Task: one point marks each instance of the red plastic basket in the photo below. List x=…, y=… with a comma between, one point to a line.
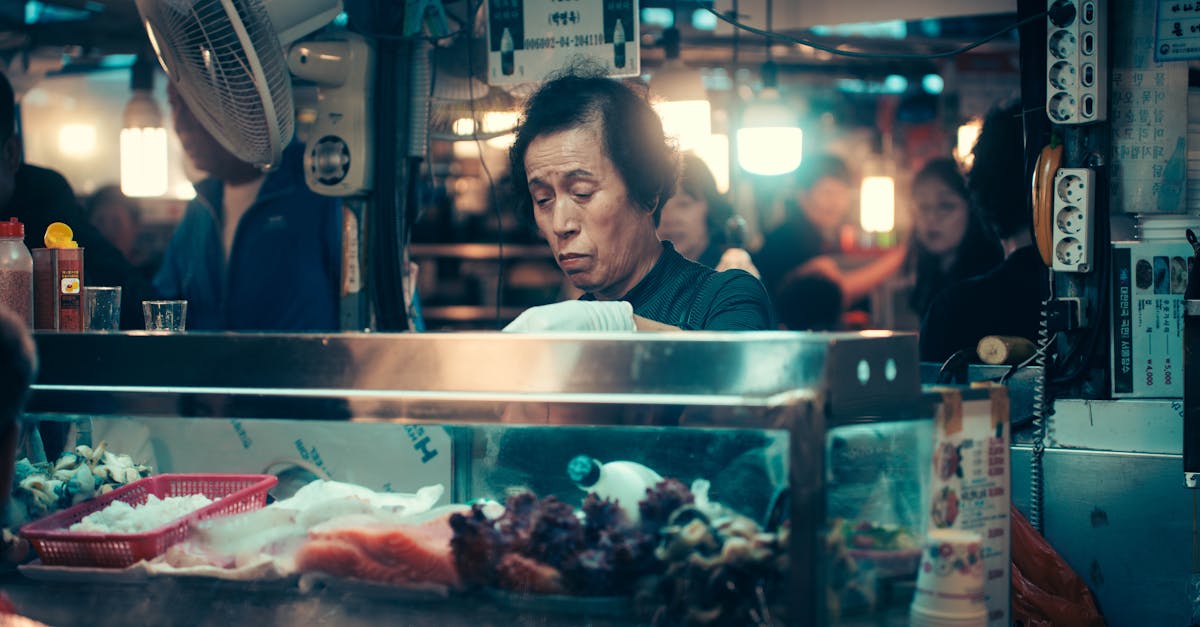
x=232, y=494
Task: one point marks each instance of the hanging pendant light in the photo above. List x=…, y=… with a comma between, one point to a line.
x=769, y=142
x=143, y=137
x=680, y=98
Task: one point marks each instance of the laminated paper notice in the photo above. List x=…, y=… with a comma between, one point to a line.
x=970, y=484
x=1147, y=117
x=1177, y=31
x=529, y=39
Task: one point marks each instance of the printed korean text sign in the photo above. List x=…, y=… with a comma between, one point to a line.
x=1148, y=116
x=971, y=479
x=530, y=39
x=1177, y=31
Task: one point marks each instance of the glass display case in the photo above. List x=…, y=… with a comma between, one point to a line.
x=818, y=440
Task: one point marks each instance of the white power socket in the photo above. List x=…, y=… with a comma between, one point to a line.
x=1074, y=209
x=1076, y=61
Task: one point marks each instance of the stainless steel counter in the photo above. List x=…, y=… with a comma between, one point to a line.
x=801, y=383
x=379, y=375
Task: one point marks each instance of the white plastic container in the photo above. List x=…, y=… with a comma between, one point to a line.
x=622, y=481
x=16, y=271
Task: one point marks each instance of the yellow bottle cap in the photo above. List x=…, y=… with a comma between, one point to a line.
x=59, y=235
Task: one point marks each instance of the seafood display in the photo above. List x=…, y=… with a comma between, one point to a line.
x=720, y=568
x=687, y=560
x=121, y=517
x=396, y=554
x=277, y=532
x=44, y=488
x=542, y=546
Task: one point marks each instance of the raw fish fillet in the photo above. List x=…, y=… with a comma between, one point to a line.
x=398, y=555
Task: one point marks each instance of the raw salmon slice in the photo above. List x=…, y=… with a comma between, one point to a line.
x=397, y=555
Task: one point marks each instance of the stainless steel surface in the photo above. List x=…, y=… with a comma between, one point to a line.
x=376, y=375
x=1127, y=425
x=1123, y=521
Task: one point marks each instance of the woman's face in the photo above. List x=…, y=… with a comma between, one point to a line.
x=600, y=239
x=827, y=203
x=684, y=222
x=939, y=216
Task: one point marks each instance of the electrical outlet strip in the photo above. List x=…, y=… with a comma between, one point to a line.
x=1076, y=61
x=1074, y=204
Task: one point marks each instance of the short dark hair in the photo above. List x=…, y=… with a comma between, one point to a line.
x=813, y=169
x=997, y=177
x=630, y=131
x=696, y=180
x=808, y=301
x=8, y=109
x=110, y=194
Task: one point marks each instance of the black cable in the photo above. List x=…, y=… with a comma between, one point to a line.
x=433, y=39
x=487, y=171
x=871, y=55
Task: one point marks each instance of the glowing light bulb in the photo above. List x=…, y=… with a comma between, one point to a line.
x=143, y=147
x=769, y=142
x=878, y=209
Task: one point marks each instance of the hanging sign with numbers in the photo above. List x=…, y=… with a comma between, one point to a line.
x=530, y=39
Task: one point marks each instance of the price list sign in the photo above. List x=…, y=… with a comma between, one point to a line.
x=1177, y=31
x=530, y=39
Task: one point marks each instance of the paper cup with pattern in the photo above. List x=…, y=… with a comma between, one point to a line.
x=950, y=580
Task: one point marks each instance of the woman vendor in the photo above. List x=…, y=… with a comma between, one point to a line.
x=591, y=161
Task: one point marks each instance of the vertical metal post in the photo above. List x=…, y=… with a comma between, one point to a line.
x=806, y=544
x=1191, y=393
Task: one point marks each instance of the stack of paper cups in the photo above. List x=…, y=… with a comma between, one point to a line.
x=950, y=581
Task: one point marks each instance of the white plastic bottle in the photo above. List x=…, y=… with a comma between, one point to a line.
x=16, y=271
x=622, y=481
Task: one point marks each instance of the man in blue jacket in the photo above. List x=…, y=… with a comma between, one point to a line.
x=253, y=252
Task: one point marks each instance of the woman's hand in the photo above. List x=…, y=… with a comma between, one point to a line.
x=575, y=315
x=740, y=259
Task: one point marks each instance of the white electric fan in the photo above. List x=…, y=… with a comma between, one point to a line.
x=229, y=60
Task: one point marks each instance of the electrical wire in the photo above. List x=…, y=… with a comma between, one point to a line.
x=871, y=55
x=486, y=170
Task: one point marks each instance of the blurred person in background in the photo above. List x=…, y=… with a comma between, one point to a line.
x=949, y=241
x=593, y=169
x=814, y=219
x=253, y=252
x=38, y=197
x=115, y=216
x=118, y=218
x=1008, y=299
x=809, y=237
x=697, y=217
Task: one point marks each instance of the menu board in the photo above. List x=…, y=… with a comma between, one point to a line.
x=1148, y=279
x=530, y=39
x=970, y=483
x=1177, y=31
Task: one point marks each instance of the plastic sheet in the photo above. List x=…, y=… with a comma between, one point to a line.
x=1045, y=591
